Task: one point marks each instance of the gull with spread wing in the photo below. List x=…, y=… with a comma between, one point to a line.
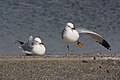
x=71, y=35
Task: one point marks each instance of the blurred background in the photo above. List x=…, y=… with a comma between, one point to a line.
x=47, y=18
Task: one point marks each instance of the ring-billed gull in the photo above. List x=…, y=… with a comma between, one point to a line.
x=71, y=34
x=32, y=47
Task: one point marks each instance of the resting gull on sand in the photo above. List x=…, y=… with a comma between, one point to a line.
x=32, y=47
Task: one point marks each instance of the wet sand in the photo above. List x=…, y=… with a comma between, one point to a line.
x=60, y=67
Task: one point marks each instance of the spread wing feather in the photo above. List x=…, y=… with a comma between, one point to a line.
x=98, y=38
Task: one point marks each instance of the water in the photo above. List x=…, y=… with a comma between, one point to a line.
x=46, y=19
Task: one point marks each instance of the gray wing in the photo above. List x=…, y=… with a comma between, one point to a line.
x=95, y=36
x=28, y=46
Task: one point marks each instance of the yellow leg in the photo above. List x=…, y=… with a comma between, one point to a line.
x=80, y=44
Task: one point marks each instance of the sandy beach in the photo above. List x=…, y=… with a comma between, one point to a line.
x=60, y=67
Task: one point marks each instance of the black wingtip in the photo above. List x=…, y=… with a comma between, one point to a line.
x=106, y=44
x=19, y=42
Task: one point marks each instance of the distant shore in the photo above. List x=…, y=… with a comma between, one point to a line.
x=57, y=67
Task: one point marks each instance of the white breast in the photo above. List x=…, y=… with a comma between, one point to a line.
x=70, y=36
x=39, y=49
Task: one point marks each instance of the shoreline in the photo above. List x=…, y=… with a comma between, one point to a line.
x=61, y=57
x=57, y=67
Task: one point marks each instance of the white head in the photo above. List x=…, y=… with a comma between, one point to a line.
x=70, y=26
x=37, y=40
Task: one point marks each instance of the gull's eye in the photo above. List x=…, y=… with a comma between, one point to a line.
x=68, y=26
x=36, y=41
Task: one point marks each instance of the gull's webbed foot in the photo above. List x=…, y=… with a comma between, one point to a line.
x=80, y=44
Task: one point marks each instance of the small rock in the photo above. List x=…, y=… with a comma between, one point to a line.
x=93, y=58
x=100, y=67
x=85, y=61
x=108, y=71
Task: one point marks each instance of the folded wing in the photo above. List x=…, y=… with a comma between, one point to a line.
x=26, y=46
x=95, y=36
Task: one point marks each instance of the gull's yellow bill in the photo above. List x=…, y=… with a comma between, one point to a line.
x=80, y=44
